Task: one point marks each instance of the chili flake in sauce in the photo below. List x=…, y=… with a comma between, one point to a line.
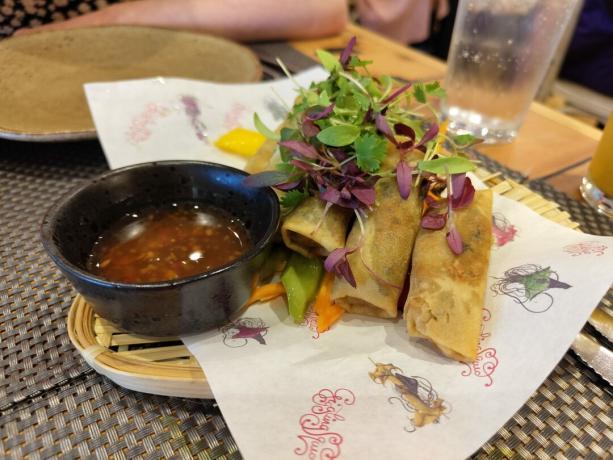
x=166, y=243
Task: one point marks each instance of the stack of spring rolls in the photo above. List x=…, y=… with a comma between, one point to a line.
x=446, y=291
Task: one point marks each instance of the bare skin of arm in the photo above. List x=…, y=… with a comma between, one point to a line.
x=243, y=20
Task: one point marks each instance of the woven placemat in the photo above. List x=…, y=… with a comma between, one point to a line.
x=52, y=405
x=35, y=352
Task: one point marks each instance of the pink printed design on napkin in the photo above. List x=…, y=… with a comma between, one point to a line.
x=318, y=438
x=233, y=117
x=141, y=124
x=504, y=232
x=237, y=333
x=310, y=322
x=528, y=285
x=487, y=361
x=192, y=110
x=585, y=248
x=415, y=394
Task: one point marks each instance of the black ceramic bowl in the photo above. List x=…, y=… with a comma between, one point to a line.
x=181, y=306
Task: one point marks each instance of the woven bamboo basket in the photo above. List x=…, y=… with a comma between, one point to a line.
x=164, y=366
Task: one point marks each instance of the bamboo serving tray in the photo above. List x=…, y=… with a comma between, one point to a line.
x=164, y=366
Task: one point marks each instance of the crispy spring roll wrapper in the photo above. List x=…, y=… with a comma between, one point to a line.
x=300, y=231
x=389, y=233
x=446, y=291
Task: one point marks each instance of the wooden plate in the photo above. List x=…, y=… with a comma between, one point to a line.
x=42, y=75
x=165, y=366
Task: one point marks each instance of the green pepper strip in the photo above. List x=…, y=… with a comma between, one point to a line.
x=301, y=279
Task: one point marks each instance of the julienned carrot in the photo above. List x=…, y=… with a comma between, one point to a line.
x=327, y=311
x=265, y=292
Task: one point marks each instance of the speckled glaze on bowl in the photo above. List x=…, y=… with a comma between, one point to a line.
x=181, y=306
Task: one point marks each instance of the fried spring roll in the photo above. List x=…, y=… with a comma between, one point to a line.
x=389, y=234
x=446, y=292
x=306, y=230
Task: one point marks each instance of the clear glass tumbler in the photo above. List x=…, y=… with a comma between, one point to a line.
x=500, y=52
x=597, y=186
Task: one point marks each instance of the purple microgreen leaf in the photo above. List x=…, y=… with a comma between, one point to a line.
x=309, y=129
x=337, y=263
x=319, y=180
x=454, y=241
x=301, y=148
x=368, y=117
x=344, y=270
x=404, y=130
x=351, y=169
x=429, y=135
x=366, y=195
x=406, y=145
x=344, y=57
x=266, y=179
x=465, y=196
x=457, y=184
x=303, y=165
x=433, y=221
x=318, y=115
x=404, y=177
x=384, y=128
x=330, y=195
x=422, y=148
x=338, y=154
x=396, y=93
x=286, y=186
x=334, y=258
x=345, y=194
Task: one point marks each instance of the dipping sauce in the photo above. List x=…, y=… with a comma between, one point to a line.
x=166, y=243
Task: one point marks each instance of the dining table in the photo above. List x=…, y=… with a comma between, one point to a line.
x=54, y=405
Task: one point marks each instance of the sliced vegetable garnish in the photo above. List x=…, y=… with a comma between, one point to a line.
x=301, y=279
x=241, y=141
x=327, y=311
x=265, y=293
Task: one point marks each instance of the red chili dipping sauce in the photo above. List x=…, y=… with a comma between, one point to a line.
x=166, y=243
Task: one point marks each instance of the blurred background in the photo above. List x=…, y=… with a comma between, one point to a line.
x=579, y=81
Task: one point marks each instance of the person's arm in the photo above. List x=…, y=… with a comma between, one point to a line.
x=244, y=20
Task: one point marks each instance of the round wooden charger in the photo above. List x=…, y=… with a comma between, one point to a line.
x=164, y=366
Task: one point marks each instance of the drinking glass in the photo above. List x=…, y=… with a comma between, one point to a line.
x=500, y=51
x=597, y=186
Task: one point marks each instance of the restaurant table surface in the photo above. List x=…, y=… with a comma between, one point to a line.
x=52, y=404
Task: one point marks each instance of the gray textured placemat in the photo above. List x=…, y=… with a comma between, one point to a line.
x=53, y=405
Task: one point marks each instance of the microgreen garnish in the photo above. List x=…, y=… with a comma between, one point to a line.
x=404, y=176
x=293, y=198
x=263, y=129
x=339, y=135
x=337, y=262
